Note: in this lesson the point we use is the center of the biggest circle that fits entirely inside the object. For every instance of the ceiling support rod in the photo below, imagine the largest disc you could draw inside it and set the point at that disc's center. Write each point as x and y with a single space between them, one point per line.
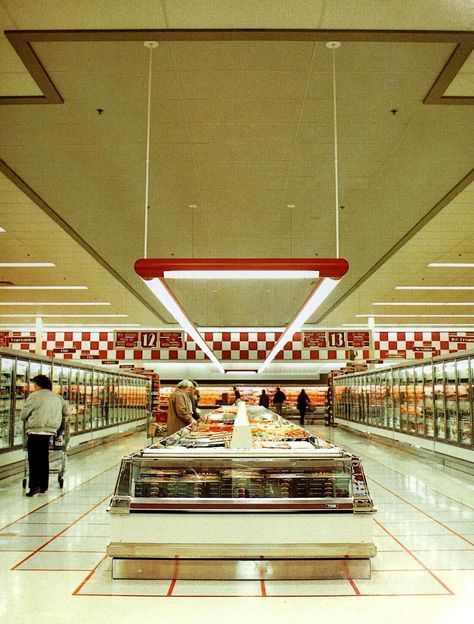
333 45
151 45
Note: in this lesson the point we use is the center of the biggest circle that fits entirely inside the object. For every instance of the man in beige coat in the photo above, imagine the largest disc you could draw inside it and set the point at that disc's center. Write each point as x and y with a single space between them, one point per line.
180 410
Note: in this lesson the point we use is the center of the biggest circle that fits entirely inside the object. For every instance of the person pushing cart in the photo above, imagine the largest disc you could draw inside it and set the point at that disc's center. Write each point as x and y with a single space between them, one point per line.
45 414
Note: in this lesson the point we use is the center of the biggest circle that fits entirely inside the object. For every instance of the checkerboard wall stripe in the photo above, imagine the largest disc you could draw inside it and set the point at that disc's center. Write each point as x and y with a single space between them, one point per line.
245 346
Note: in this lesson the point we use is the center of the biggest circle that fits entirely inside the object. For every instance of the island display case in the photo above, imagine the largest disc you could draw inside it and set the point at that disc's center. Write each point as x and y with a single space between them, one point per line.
428 404
250 498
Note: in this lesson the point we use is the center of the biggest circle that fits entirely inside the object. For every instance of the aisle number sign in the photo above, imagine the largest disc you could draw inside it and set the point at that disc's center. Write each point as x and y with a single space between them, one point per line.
335 339
150 339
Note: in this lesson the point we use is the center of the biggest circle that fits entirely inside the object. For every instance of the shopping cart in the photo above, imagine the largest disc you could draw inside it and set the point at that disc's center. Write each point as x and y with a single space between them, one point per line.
58 446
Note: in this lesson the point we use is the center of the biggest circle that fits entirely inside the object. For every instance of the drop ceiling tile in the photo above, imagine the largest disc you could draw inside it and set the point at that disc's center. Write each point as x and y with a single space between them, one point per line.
32 14
243 84
264 14
429 15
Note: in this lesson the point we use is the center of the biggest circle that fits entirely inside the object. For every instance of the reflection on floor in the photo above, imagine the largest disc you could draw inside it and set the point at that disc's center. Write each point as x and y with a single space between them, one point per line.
53 565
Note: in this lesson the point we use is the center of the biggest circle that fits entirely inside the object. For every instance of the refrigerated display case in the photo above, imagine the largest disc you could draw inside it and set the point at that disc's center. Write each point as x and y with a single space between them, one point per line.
82 385
432 401
291 506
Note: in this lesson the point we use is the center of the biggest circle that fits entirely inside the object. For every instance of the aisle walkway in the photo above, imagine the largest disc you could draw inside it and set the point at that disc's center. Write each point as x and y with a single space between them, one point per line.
53 566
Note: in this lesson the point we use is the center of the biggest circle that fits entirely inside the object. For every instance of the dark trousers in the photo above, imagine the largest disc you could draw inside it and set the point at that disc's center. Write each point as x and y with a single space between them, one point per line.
38 461
302 411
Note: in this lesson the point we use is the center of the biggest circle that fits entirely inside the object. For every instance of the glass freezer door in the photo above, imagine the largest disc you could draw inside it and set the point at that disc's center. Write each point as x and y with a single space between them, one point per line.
7 366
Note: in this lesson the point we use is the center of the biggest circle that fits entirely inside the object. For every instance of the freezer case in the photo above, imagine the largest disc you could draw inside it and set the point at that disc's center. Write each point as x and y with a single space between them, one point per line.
302 512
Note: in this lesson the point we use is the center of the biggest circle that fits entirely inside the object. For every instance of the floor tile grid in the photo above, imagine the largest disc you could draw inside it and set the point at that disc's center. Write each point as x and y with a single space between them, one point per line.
420 510
18 566
50 502
403 476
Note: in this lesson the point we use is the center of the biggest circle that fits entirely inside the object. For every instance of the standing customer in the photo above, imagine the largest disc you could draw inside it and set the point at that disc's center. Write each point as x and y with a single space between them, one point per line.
180 409
43 412
302 404
264 399
278 399
236 394
195 396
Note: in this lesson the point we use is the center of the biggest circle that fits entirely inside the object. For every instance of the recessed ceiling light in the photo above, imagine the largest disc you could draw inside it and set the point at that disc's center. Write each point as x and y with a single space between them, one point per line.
415 315
54 303
421 303
434 287
26 264
290 205
43 287
26 315
192 206
455 265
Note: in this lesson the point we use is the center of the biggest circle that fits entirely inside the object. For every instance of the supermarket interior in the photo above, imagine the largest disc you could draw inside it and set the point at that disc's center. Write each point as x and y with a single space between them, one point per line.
232 202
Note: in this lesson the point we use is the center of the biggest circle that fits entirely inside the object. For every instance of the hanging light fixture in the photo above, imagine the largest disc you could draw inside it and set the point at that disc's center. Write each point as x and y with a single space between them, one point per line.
327 271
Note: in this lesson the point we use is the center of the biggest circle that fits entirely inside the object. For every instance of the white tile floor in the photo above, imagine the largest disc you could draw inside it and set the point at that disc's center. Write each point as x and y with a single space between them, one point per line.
53 566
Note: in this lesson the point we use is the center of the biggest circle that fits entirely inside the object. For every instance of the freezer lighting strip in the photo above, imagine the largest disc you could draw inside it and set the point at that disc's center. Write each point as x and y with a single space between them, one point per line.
161 291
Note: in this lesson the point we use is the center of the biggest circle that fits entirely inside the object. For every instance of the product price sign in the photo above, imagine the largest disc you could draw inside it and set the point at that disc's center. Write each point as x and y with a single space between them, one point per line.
89 356
358 339
110 361
4 338
64 350
29 339
127 339
171 340
468 337
314 339
337 340
425 348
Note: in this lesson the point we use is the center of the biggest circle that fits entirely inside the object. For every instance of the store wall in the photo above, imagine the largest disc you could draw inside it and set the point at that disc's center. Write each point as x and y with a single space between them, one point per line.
243 346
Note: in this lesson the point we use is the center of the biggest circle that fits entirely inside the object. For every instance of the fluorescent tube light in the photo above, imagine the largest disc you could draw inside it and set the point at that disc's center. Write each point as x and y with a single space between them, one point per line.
69 325
25 315
2 229
421 303
434 287
26 264
319 294
54 303
415 315
163 294
43 287
456 265
241 274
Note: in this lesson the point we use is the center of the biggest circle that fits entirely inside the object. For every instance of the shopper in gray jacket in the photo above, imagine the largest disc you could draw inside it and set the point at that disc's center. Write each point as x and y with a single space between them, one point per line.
43 413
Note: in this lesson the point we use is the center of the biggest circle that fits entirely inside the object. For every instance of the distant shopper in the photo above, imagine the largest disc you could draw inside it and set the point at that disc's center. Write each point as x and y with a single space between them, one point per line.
236 394
302 405
180 409
195 396
264 399
42 413
278 399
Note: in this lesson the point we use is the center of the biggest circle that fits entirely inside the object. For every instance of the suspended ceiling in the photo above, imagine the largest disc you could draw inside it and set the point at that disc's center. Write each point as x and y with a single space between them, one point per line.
242 155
